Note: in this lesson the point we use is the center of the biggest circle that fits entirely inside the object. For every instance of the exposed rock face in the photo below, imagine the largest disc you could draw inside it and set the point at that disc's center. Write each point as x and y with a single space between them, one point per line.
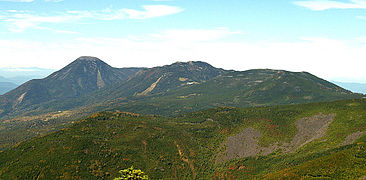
245 144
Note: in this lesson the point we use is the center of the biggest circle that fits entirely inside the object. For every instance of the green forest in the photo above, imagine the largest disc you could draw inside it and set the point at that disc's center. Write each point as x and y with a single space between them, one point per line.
188 146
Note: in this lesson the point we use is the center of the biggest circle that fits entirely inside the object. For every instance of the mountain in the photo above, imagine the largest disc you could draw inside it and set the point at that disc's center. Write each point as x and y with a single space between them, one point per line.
82 76
354 87
73 92
258 87
159 80
23 74
6 86
317 140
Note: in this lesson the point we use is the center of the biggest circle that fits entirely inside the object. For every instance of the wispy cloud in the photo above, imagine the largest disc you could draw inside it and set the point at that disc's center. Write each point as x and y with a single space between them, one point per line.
148 11
320 5
18 21
361 17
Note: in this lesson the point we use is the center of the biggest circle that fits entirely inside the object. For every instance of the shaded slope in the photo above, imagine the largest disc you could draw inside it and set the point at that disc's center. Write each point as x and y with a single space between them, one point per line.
261 87
187 146
83 76
160 80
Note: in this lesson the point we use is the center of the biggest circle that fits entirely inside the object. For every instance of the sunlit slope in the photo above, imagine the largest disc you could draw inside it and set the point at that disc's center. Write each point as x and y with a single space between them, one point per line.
293 141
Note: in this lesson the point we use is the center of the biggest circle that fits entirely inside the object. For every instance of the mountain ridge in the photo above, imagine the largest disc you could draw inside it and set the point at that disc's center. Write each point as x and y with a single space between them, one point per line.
82 76
169 90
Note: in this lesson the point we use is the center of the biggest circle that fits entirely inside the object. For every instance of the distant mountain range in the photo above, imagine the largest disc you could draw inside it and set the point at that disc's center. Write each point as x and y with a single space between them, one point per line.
6 87
179 87
10 78
354 87
23 74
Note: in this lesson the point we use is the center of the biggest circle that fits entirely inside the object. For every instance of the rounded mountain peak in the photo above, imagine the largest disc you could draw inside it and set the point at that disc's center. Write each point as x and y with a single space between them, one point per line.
88 58
88 62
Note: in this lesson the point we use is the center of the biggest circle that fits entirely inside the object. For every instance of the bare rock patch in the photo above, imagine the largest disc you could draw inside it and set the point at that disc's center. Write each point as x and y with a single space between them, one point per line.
245 144
352 138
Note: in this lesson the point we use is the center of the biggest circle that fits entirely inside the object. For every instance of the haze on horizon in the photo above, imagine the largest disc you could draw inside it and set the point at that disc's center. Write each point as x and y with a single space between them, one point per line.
323 37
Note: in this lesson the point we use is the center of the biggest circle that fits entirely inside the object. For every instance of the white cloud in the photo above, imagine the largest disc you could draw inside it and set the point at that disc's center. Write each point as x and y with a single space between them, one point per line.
152 11
361 17
18 21
320 5
327 58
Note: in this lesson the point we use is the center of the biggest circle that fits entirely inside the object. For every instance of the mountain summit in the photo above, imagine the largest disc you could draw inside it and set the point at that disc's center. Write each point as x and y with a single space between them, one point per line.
161 79
82 76
86 74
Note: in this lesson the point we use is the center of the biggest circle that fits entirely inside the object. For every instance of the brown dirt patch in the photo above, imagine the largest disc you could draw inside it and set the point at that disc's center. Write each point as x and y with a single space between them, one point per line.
352 138
311 128
245 144
186 160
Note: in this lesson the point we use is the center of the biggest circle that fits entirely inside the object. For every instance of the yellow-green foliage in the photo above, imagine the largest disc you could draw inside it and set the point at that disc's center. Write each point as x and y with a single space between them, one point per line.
132 174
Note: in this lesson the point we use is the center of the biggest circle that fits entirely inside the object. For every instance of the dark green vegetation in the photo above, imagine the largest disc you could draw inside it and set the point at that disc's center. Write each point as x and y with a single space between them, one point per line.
262 87
88 85
6 87
81 77
186 147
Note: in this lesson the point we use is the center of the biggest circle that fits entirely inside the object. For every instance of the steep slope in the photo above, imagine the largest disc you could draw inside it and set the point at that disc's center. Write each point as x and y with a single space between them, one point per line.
83 76
187 147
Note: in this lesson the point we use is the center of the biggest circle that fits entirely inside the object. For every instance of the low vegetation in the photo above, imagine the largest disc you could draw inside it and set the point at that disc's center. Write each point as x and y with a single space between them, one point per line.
186 147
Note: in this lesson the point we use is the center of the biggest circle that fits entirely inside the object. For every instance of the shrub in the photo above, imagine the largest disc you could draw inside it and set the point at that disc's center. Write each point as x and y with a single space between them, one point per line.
132 174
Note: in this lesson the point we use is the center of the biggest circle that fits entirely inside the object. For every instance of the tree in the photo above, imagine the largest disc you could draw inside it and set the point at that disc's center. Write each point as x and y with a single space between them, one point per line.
132 174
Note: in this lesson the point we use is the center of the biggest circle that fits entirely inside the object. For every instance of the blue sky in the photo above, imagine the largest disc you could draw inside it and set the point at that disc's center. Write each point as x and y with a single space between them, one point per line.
324 37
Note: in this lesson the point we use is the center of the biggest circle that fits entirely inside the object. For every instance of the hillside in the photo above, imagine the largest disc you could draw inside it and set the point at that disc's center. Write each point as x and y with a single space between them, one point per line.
280 141
82 76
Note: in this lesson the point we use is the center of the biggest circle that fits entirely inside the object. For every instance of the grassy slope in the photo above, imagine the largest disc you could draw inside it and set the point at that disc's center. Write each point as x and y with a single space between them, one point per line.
185 146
